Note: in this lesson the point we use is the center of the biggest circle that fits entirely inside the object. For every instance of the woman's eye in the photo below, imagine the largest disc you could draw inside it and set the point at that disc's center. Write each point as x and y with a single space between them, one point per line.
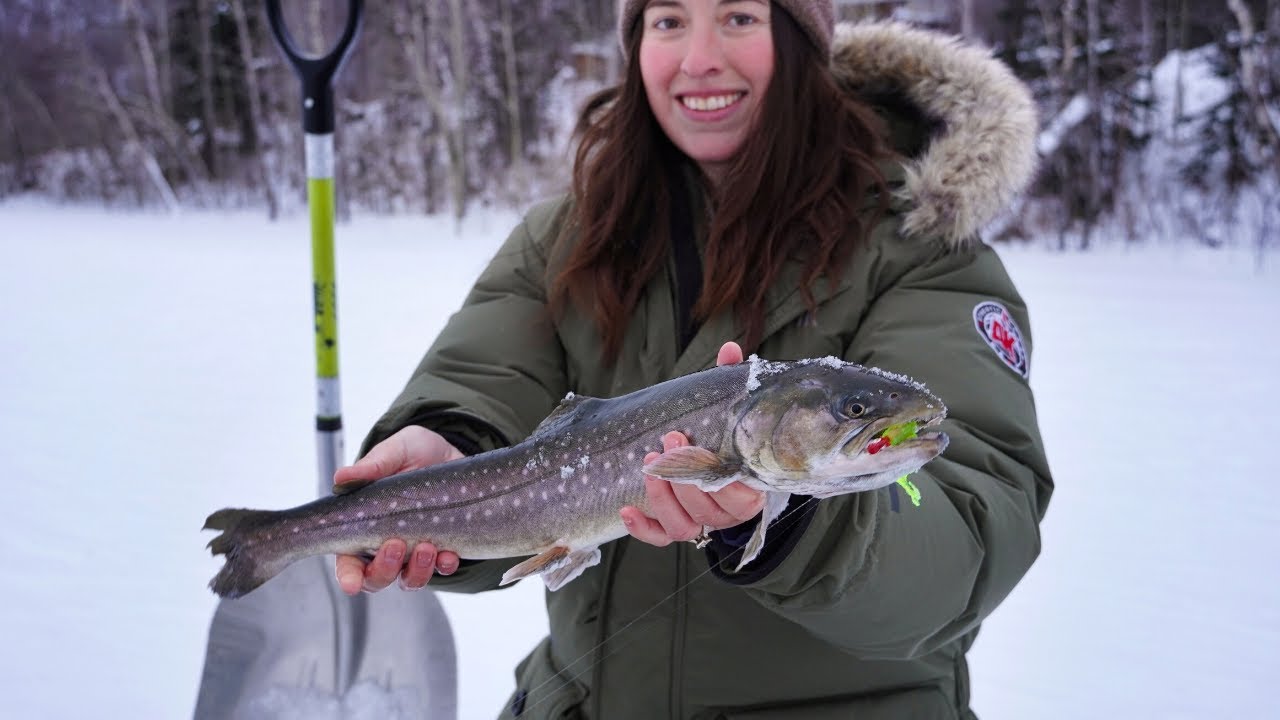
666 23
741 20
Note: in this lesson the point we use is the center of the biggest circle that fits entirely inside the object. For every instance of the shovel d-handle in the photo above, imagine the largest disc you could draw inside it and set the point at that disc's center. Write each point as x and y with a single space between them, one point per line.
316 72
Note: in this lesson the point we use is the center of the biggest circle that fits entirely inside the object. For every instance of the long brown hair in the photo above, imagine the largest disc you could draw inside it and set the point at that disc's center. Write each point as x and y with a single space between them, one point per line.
795 189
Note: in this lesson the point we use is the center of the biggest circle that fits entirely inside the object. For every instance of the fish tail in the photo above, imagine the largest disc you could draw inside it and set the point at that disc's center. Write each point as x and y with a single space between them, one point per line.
244 569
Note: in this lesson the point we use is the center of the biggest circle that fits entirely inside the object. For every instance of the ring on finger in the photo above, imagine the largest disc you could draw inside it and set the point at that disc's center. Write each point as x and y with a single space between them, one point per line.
702 539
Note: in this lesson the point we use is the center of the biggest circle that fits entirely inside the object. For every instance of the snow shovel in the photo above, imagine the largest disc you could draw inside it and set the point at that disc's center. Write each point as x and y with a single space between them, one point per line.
297 646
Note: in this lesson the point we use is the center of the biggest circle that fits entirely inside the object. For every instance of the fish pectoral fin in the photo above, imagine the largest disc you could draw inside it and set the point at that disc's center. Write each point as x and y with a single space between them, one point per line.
347 488
557 566
694 466
542 562
574 565
774 504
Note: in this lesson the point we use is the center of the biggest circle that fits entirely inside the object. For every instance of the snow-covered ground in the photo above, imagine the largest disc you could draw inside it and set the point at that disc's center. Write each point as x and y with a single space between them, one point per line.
155 368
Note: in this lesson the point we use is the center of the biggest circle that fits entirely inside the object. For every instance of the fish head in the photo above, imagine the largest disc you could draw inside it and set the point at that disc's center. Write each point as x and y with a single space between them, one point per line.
819 427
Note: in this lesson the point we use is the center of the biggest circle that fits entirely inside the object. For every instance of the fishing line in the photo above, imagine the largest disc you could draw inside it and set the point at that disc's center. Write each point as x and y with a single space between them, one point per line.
529 693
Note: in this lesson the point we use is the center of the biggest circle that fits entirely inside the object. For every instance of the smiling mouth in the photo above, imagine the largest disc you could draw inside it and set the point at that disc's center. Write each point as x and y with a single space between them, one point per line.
709 103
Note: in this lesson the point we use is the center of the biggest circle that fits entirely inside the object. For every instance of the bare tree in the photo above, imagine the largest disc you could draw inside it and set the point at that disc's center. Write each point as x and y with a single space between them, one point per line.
255 105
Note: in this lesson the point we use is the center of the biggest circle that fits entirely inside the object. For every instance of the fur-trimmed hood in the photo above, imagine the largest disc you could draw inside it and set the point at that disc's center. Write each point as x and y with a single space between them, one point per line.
984 152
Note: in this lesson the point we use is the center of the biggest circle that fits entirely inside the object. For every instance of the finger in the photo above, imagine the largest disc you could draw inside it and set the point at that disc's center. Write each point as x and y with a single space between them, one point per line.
730 354
672 440
350 574
702 507
667 510
644 528
447 562
422 564
738 501
384 459
386 565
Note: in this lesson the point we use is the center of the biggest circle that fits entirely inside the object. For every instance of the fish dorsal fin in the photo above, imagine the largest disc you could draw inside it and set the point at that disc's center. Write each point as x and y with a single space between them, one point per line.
563 413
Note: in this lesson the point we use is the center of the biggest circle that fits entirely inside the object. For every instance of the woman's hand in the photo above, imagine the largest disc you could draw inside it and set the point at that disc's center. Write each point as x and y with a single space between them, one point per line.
409 449
683 512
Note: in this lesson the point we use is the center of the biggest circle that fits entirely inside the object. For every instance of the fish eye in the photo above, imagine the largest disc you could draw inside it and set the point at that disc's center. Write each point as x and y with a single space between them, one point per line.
854 409
893 396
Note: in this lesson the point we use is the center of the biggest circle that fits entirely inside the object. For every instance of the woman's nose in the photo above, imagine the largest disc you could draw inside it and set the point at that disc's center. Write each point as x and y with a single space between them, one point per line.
703 55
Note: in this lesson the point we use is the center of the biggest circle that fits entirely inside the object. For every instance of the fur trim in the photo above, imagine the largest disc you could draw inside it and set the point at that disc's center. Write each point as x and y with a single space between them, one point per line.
986 152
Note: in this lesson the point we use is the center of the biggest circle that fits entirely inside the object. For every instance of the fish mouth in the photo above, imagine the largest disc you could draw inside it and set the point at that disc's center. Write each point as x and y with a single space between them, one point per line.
861 439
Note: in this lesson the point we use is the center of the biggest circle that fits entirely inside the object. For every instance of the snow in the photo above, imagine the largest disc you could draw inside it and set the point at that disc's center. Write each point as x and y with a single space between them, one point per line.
156 368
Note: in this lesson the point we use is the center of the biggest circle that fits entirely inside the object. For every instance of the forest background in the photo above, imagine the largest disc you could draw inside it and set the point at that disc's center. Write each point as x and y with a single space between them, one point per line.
1160 117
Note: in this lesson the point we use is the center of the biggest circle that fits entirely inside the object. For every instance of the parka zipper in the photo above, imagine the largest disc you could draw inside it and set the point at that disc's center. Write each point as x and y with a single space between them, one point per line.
678 637
612 553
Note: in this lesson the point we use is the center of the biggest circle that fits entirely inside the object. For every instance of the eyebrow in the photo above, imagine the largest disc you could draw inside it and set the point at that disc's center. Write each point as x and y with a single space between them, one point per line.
676 3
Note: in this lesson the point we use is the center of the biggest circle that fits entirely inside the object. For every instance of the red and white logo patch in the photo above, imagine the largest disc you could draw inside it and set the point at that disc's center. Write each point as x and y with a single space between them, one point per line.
998 328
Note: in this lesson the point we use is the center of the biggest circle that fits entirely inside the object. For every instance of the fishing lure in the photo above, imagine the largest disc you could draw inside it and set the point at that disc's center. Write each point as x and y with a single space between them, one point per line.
893 435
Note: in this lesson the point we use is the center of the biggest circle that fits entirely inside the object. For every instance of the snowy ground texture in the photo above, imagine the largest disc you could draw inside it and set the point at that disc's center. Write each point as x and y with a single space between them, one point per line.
155 368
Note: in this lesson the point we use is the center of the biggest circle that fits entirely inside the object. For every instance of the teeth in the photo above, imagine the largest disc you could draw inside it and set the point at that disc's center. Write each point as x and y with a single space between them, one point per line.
716 102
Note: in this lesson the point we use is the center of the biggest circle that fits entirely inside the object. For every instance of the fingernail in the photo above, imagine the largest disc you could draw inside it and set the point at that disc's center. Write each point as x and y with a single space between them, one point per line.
395 556
426 560
448 568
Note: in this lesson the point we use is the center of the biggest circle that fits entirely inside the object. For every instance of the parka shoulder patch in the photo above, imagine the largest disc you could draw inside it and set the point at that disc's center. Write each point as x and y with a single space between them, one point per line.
1002 334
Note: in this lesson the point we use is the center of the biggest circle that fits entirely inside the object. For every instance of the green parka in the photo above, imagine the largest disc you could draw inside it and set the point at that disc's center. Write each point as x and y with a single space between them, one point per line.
871 612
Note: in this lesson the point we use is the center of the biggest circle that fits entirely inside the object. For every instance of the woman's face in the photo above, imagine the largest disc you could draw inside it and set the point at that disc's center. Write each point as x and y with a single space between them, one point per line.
706 65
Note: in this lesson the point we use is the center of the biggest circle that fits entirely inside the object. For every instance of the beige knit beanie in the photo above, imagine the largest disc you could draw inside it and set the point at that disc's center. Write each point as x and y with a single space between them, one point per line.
816 18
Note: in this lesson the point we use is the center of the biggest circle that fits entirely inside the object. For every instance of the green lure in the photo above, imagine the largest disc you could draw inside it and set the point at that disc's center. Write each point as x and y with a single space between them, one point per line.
896 434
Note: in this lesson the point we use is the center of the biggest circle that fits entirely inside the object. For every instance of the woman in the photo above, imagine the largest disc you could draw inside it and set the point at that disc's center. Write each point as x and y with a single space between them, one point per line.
755 179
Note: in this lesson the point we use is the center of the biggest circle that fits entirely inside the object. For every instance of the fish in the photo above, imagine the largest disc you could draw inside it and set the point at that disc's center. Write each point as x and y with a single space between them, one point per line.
800 427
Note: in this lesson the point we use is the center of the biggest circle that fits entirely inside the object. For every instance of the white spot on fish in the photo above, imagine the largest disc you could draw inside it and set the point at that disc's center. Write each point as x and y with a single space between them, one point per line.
392 505
560 488
488 513
493 488
372 523
400 523
422 516
462 490
324 521
604 491
706 422
544 494
435 518
360 515
607 464
419 504
468 517
445 499
515 503
631 456
297 529
622 481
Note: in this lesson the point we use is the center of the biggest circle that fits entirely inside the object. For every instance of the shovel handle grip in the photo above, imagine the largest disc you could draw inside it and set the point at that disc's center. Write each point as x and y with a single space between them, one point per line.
315 72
